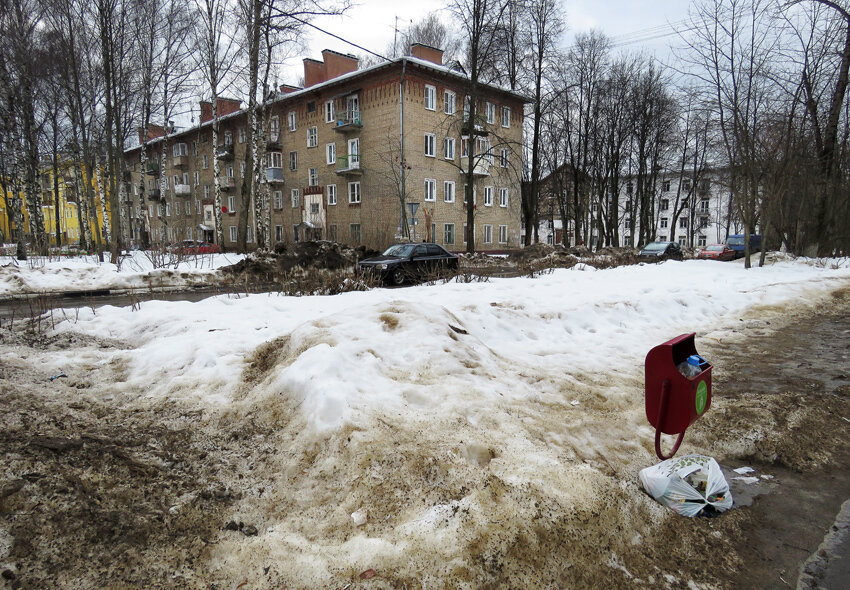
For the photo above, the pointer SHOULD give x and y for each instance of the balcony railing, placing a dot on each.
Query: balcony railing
(274, 174)
(181, 161)
(224, 152)
(227, 182)
(348, 121)
(182, 190)
(481, 167)
(349, 164)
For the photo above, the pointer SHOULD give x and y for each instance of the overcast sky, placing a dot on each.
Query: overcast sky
(371, 23)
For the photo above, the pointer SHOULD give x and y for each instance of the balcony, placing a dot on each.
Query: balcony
(348, 121)
(225, 152)
(154, 195)
(153, 168)
(181, 161)
(227, 182)
(480, 168)
(349, 165)
(273, 145)
(274, 175)
(182, 190)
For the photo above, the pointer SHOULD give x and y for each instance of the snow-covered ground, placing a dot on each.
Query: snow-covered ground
(137, 270)
(382, 397)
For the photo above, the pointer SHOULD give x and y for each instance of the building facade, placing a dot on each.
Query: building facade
(340, 153)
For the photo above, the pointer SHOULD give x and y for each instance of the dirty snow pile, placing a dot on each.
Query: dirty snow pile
(136, 270)
(435, 411)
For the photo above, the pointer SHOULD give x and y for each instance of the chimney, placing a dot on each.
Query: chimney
(286, 88)
(427, 53)
(337, 64)
(314, 72)
(225, 107)
(154, 131)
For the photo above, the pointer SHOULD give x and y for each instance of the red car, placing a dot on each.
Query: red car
(717, 252)
(193, 247)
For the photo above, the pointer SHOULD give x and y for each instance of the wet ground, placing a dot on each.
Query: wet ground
(97, 492)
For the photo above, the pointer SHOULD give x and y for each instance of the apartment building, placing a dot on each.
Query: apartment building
(340, 152)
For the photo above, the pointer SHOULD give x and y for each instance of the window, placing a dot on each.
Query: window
(292, 121)
(704, 185)
(666, 186)
(295, 195)
(464, 234)
(703, 222)
(430, 97)
(464, 147)
(448, 233)
(150, 210)
(503, 197)
(683, 223)
(703, 206)
(206, 191)
(354, 233)
(488, 234)
(663, 223)
(430, 144)
(277, 199)
(701, 241)
(275, 159)
(683, 240)
(231, 204)
(194, 148)
(312, 136)
(198, 206)
(449, 101)
(232, 233)
(490, 109)
(228, 137)
(167, 209)
(179, 149)
(330, 153)
(329, 111)
(229, 171)
(449, 148)
(331, 194)
(354, 193)
(176, 207)
(205, 162)
(503, 158)
(278, 233)
(274, 128)
(314, 208)
(197, 178)
(242, 166)
(488, 197)
(506, 117)
(430, 189)
(503, 234)
(449, 191)
(242, 135)
(664, 204)
(662, 238)
(686, 184)
(311, 106)
(293, 160)
(313, 176)
(466, 108)
(629, 187)
(176, 179)
(185, 178)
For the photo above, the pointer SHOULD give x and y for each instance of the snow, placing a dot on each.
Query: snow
(136, 270)
(538, 381)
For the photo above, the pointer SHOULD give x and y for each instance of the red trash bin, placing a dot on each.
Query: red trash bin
(673, 401)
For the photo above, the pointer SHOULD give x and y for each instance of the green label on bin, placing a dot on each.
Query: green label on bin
(702, 397)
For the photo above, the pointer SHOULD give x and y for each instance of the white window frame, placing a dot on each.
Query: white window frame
(293, 160)
(503, 157)
(277, 199)
(506, 117)
(490, 109)
(487, 233)
(197, 178)
(274, 128)
(293, 120)
(295, 197)
(233, 235)
(430, 189)
(312, 136)
(330, 153)
(449, 191)
(205, 162)
(430, 145)
(330, 114)
(243, 137)
(430, 97)
(449, 102)
(331, 191)
(503, 197)
(231, 204)
(312, 177)
(449, 148)
(503, 234)
(488, 196)
(449, 227)
(354, 195)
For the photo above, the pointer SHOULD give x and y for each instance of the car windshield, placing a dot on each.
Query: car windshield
(656, 246)
(715, 248)
(400, 250)
(735, 241)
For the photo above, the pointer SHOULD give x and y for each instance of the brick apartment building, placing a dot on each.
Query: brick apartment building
(332, 159)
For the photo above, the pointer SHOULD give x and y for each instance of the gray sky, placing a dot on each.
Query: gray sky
(371, 23)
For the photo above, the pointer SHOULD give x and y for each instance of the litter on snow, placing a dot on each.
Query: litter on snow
(692, 485)
(743, 470)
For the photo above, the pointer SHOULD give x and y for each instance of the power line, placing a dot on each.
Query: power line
(353, 44)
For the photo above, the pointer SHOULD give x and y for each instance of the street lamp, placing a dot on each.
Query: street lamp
(413, 207)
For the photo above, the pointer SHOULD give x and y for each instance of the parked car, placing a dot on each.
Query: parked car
(717, 252)
(736, 242)
(193, 247)
(406, 262)
(657, 251)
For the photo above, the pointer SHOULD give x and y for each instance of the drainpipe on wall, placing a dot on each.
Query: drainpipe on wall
(405, 230)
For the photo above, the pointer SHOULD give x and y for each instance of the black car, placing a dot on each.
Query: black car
(657, 251)
(405, 262)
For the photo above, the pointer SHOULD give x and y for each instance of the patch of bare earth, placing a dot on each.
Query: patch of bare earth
(100, 489)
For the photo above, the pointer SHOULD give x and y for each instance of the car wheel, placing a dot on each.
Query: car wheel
(398, 276)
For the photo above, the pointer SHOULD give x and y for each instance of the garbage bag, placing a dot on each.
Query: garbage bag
(690, 485)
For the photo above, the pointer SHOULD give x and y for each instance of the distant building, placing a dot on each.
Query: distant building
(333, 155)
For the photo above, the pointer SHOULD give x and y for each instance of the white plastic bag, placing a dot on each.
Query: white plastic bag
(688, 484)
